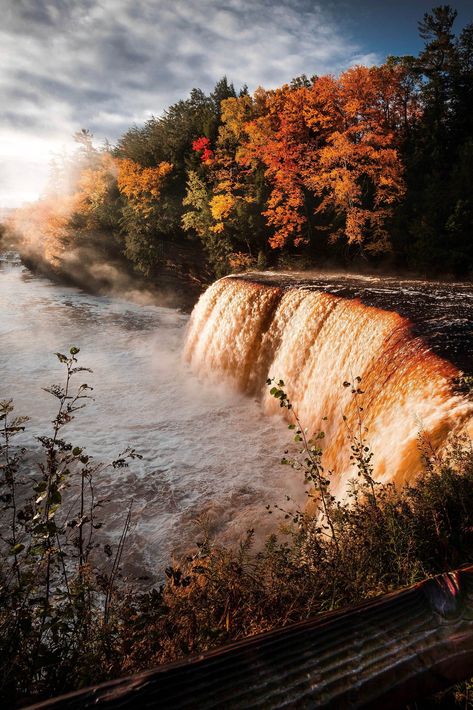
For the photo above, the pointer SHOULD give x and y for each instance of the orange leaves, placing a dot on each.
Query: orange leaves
(53, 224)
(359, 173)
(44, 226)
(141, 186)
(328, 143)
(94, 184)
(397, 94)
(279, 140)
(327, 151)
(285, 214)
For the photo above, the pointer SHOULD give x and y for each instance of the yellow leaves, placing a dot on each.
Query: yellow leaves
(258, 131)
(221, 206)
(236, 112)
(94, 185)
(239, 261)
(224, 186)
(141, 186)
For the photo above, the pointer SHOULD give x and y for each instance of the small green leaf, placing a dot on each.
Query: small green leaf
(16, 549)
(55, 497)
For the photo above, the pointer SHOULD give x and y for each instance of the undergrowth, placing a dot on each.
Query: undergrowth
(67, 619)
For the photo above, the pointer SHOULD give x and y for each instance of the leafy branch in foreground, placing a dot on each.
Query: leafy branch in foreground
(384, 542)
(309, 460)
(54, 597)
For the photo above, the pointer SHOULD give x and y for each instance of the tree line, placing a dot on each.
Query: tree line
(376, 163)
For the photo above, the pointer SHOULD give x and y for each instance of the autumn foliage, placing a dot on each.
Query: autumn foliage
(376, 160)
(77, 202)
(141, 186)
(44, 227)
(327, 147)
(202, 146)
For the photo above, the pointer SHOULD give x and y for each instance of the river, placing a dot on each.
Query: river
(208, 452)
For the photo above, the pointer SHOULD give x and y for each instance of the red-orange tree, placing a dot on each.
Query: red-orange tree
(358, 171)
(330, 142)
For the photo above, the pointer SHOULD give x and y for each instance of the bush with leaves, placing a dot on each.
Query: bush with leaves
(56, 593)
(379, 539)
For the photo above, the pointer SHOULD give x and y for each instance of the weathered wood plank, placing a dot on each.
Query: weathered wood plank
(379, 654)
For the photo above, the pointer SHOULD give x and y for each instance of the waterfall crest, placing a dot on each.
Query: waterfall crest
(247, 331)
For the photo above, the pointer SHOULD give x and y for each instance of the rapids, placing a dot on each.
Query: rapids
(207, 450)
(210, 452)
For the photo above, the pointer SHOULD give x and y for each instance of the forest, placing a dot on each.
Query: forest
(372, 167)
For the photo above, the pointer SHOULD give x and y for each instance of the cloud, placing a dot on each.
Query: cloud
(105, 64)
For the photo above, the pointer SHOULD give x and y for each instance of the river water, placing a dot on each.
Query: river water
(208, 452)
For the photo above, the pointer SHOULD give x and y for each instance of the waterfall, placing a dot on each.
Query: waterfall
(247, 331)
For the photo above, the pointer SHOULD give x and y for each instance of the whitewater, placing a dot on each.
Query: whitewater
(210, 456)
(189, 394)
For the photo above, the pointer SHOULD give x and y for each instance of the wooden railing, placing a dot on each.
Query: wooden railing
(382, 653)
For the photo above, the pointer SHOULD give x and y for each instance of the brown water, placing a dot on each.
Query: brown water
(317, 333)
(210, 449)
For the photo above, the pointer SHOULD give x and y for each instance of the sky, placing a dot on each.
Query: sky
(107, 64)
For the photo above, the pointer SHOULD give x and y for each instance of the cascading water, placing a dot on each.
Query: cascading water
(209, 454)
(314, 341)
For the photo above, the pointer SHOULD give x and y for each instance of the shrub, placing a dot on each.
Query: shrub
(381, 538)
(57, 584)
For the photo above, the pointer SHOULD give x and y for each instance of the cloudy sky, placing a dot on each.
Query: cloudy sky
(106, 64)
